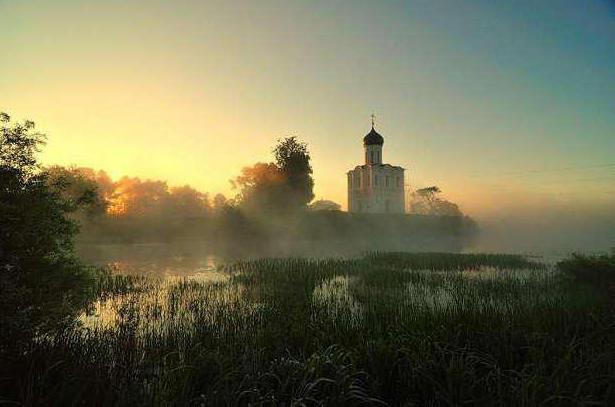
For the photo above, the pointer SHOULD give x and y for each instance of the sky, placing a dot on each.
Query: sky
(507, 106)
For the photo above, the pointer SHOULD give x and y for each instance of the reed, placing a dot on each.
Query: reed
(399, 328)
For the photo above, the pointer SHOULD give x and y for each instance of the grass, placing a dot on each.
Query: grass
(386, 329)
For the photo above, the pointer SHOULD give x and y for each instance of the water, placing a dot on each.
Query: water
(191, 260)
(167, 264)
(186, 259)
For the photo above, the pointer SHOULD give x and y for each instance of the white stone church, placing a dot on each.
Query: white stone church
(375, 187)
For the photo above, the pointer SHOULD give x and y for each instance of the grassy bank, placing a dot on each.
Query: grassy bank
(439, 329)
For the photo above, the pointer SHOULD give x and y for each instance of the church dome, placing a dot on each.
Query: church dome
(373, 138)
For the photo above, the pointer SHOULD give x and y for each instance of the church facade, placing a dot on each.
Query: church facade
(375, 187)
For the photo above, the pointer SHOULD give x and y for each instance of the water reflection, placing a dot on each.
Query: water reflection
(188, 289)
(154, 307)
(335, 297)
(155, 260)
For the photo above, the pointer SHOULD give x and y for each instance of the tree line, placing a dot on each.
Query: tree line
(42, 210)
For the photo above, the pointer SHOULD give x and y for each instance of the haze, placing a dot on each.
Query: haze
(508, 108)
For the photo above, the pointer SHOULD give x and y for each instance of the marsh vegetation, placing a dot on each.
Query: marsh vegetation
(378, 329)
(398, 328)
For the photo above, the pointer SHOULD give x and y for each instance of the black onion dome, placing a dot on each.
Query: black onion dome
(373, 138)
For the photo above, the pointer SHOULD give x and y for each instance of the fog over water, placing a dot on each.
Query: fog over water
(549, 232)
(548, 236)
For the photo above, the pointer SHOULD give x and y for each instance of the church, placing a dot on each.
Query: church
(375, 187)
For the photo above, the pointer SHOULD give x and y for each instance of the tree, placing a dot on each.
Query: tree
(187, 202)
(426, 201)
(278, 188)
(293, 159)
(325, 205)
(42, 282)
(133, 197)
(86, 190)
(220, 203)
(262, 188)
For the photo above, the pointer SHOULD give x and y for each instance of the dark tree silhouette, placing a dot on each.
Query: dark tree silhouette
(277, 188)
(42, 282)
(293, 159)
(83, 188)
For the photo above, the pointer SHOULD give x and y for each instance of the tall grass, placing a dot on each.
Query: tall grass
(422, 329)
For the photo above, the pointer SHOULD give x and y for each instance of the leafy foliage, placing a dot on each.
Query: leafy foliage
(293, 160)
(85, 190)
(42, 282)
(263, 188)
(279, 188)
(427, 201)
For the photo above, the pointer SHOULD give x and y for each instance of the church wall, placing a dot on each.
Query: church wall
(376, 189)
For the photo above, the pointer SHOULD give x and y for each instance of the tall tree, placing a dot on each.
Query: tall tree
(41, 280)
(293, 159)
(278, 188)
(262, 189)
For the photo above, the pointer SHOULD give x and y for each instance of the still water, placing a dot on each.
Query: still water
(172, 300)
(196, 259)
(154, 259)
(190, 259)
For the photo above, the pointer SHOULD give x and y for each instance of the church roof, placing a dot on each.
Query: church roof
(363, 166)
(373, 138)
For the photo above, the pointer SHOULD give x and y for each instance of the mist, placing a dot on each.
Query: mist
(549, 230)
(130, 211)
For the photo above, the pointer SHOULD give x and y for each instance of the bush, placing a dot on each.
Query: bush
(596, 270)
(42, 282)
